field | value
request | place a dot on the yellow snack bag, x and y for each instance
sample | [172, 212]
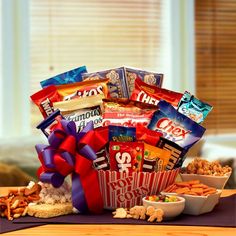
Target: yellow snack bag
[156, 157]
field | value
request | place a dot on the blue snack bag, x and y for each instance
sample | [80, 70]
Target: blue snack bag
[116, 86]
[68, 77]
[146, 76]
[122, 133]
[193, 108]
[175, 126]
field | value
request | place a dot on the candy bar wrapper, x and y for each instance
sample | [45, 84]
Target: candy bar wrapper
[148, 77]
[83, 89]
[151, 94]
[193, 108]
[160, 156]
[45, 98]
[48, 124]
[120, 189]
[124, 112]
[177, 153]
[121, 133]
[175, 126]
[68, 77]
[102, 160]
[126, 156]
[117, 85]
[82, 110]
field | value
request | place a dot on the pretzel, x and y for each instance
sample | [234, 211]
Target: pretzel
[35, 189]
[16, 216]
[18, 210]
[16, 202]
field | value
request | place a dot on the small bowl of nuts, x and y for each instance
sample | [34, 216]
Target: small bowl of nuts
[209, 173]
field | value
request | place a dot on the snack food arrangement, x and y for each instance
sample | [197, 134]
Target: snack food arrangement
[120, 136]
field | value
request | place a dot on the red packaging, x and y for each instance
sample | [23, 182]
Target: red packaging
[147, 135]
[45, 98]
[152, 94]
[124, 112]
[126, 156]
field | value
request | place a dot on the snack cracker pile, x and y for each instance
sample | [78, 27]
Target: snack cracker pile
[193, 187]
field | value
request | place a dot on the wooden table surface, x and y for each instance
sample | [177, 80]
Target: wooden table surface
[125, 230]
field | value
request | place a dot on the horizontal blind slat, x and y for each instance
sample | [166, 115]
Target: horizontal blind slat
[216, 61]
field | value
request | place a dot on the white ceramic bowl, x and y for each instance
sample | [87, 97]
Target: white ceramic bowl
[171, 209]
[197, 205]
[212, 181]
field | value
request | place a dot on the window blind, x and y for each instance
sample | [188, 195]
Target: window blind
[100, 34]
[216, 61]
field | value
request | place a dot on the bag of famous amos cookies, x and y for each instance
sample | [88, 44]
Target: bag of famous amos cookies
[82, 110]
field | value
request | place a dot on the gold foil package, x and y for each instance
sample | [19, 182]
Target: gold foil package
[82, 110]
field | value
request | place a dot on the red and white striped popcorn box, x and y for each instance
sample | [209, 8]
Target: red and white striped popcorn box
[120, 189]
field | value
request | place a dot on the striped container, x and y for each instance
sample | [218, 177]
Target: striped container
[127, 190]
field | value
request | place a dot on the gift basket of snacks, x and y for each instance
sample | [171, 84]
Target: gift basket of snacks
[120, 136]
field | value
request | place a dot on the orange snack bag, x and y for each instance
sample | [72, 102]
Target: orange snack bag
[160, 156]
[83, 89]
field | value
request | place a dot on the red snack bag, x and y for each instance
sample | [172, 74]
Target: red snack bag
[124, 112]
[152, 94]
[45, 98]
[126, 156]
[147, 135]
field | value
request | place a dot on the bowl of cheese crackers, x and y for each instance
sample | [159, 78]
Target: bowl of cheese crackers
[199, 198]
